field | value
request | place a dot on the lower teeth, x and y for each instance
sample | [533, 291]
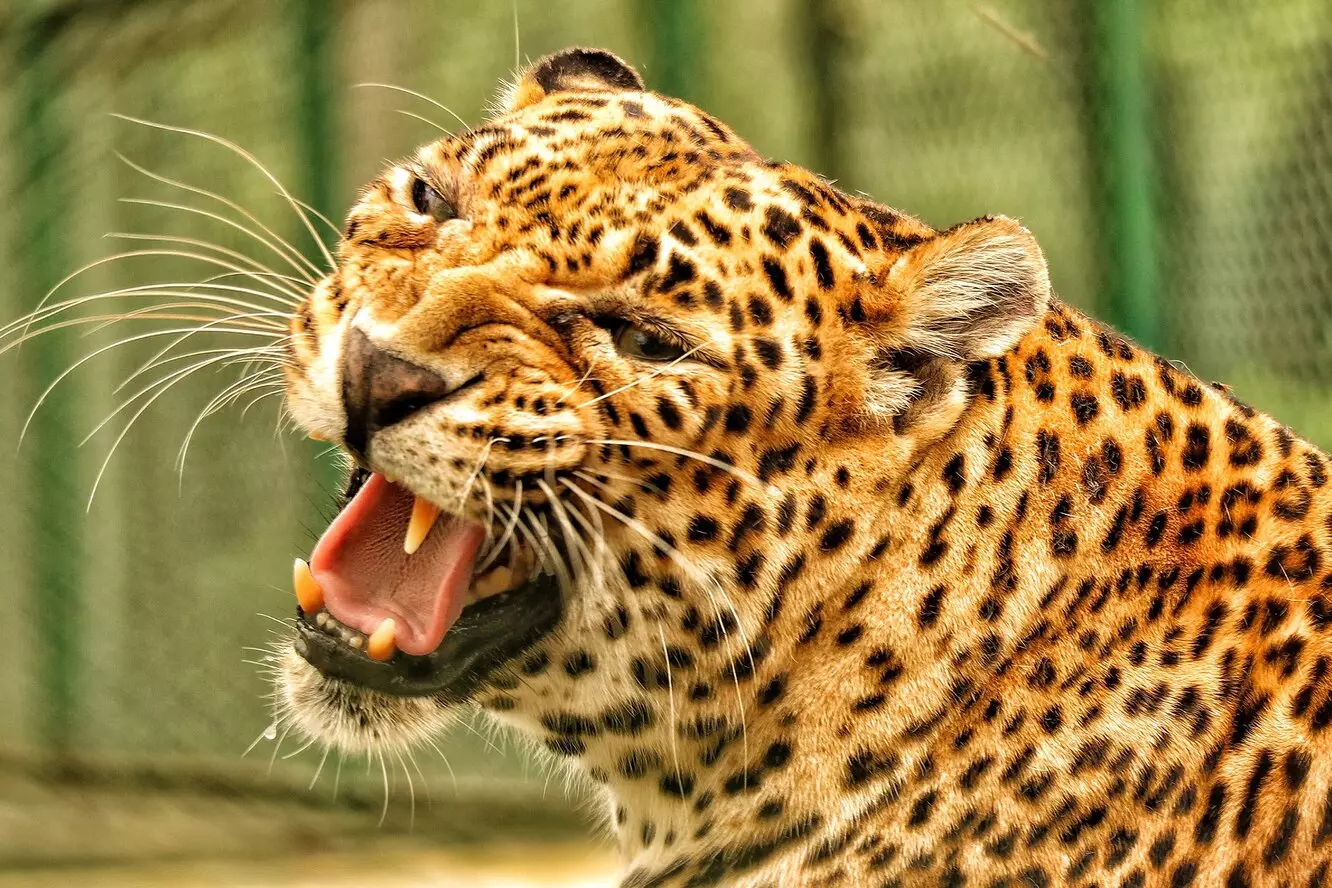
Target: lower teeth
[332, 627]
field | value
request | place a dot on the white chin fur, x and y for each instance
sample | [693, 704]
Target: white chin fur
[353, 719]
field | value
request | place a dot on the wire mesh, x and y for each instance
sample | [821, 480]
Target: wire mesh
[1246, 141]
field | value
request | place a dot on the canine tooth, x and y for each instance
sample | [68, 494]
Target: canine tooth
[308, 594]
[424, 516]
[381, 646]
[497, 580]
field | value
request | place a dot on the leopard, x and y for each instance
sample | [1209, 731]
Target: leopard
[829, 547]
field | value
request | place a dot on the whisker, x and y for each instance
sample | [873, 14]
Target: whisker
[277, 747]
[626, 479]
[239, 323]
[577, 385]
[263, 735]
[166, 384]
[153, 362]
[539, 539]
[227, 395]
[517, 43]
[274, 389]
[319, 217]
[319, 770]
[254, 161]
[73, 367]
[533, 544]
[445, 759]
[769, 489]
[151, 315]
[508, 530]
[263, 276]
[425, 784]
[218, 358]
[543, 522]
[411, 790]
[27, 320]
[298, 750]
[383, 769]
[640, 380]
[252, 320]
[585, 569]
[426, 120]
[670, 698]
[466, 491]
[297, 261]
[213, 293]
[253, 267]
[489, 490]
[288, 251]
[597, 533]
[422, 96]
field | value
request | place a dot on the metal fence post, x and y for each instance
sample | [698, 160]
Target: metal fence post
[677, 49]
[54, 541]
[1127, 169]
[316, 78]
[825, 47]
[316, 25]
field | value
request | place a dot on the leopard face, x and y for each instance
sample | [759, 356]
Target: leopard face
[609, 343]
[830, 544]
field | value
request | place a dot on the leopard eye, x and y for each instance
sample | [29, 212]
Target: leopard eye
[428, 202]
[639, 343]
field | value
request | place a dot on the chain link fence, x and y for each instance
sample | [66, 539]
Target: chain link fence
[1175, 160]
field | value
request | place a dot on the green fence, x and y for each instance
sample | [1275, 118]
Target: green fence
[1174, 158]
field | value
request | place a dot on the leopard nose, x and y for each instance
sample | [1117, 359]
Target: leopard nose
[380, 389]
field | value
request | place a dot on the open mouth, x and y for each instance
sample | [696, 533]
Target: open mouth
[396, 599]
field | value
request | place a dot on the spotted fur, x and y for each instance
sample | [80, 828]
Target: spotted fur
[960, 588]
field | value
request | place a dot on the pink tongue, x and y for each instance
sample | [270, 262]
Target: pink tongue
[366, 576]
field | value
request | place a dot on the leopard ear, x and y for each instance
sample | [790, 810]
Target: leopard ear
[579, 68]
[968, 293]
[948, 299]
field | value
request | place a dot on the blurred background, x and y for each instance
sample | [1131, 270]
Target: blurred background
[1174, 158]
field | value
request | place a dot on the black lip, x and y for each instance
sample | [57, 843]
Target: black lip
[487, 635]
